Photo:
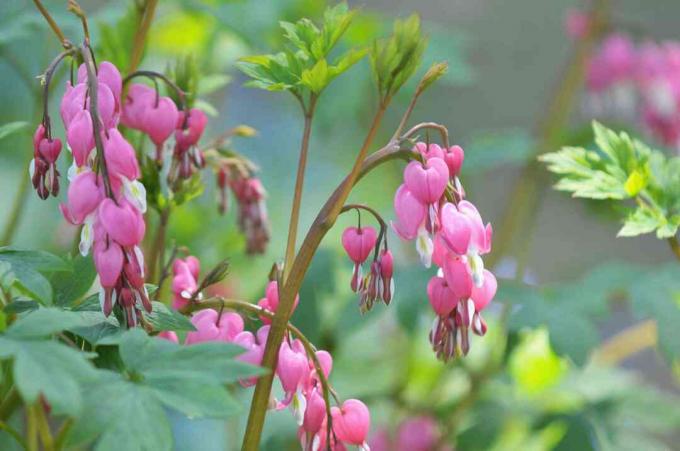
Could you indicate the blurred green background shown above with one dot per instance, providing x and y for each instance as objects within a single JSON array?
[{"x": 536, "y": 387}]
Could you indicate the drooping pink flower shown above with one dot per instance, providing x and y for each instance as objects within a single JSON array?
[
  {"x": 458, "y": 277},
  {"x": 123, "y": 222},
  {"x": 108, "y": 74},
  {"x": 410, "y": 212},
  {"x": 138, "y": 100},
  {"x": 84, "y": 196},
  {"x": 418, "y": 434},
  {"x": 108, "y": 260},
  {"x": 293, "y": 370},
  {"x": 211, "y": 326},
  {"x": 168, "y": 335},
  {"x": 80, "y": 136},
  {"x": 386, "y": 272},
  {"x": 483, "y": 295},
  {"x": 271, "y": 300},
  {"x": 159, "y": 119},
  {"x": 351, "y": 422},
  {"x": 442, "y": 299},
  {"x": 120, "y": 156},
  {"x": 315, "y": 413},
  {"x": 358, "y": 243},
  {"x": 427, "y": 181},
  {"x": 189, "y": 128}
]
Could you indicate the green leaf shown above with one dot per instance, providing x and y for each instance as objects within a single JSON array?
[
  {"x": 158, "y": 374},
  {"x": 12, "y": 127},
  {"x": 162, "y": 318},
  {"x": 69, "y": 289},
  {"x": 641, "y": 221},
  {"x": 316, "y": 78},
  {"x": 47, "y": 368},
  {"x": 39, "y": 260},
  {"x": 47, "y": 321},
  {"x": 27, "y": 267}
]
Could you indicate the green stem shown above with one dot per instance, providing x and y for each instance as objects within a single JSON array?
[
  {"x": 146, "y": 17},
  {"x": 60, "y": 439},
  {"x": 31, "y": 429},
  {"x": 9, "y": 404},
  {"x": 297, "y": 196},
  {"x": 14, "y": 433},
  {"x": 157, "y": 253},
  {"x": 43, "y": 426}
]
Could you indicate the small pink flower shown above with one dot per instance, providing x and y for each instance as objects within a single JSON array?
[
  {"x": 454, "y": 158},
  {"x": 442, "y": 299},
  {"x": 576, "y": 24},
  {"x": 84, "y": 196},
  {"x": 139, "y": 99},
  {"x": 49, "y": 149},
  {"x": 358, "y": 243},
  {"x": 418, "y": 434},
  {"x": 253, "y": 354},
  {"x": 351, "y": 422},
  {"x": 456, "y": 229},
  {"x": 429, "y": 151},
  {"x": 315, "y": 413},
  {"x": 458, "y": 277},
  {"x": 410, "y": 212},
  {"x": 123, "y": 222},
  {"x": 483, "y": 295},
  {"x": 427, "y": 181},
  {"x": 120, "y": 156},
  {"x": 386, "y": 272},
  {"x": 210, "y": 326},
  {"x": 80, "y": 136},
  {"x": 159, "y": 120},
  {"x": 189, "y": 128},
  {"x": 108, "y": 74},
  {"x": 109, "y": 263}
]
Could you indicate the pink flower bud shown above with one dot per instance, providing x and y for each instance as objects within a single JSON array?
[
  {"x": 108, "y": 260},
  {"x": 454, "y": 158},
  {"x": 80, "y": 137},
  {"x": 210, "y": 326},
  {"x": 386, "y": 272},
  {"x": 442, "y": 299},
  {"x": 38, "y": 136},
  {"x": 120, "y": 156},
  {"x": 292, "y": 368},
  {"x": 108, "y": 74},
  {"x": 123, "y": 222},
  {"x": 458, "y": 278},
  {"x": 483, "y": 295},
  {"x": 190, "y": 127},
  {"x": 315, "y": 413},
  {"x": 417, "y": 434},
  {"x": 84, "y": 196},
  {"x": 159, "y": 121},
  {"x": 431, "y": 151},
  {"x": 456, "y": 229},
  {"x": 139, "y": 99},
  {"x": 351, "y": 422},
  {"x": 427, "y": 181},
  {"x": 50, "y": 149},
  {"x": 271, "y": 300},
  {"x": 410, "y": 213},
  {"x": 359, "y": 242}
]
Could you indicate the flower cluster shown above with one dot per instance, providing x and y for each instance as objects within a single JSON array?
[
  {"x": 378, "y": 284},
  {"x": 252, "y": 210},
  {"x": 296, "y": 369},
  {"x": 157, "y": 116},
  {"x": 449, "y": 231},
  {"x": 639, "y": 82},
  {"x": 104, "y": 194},
  {"x": 185, "y": 281}
]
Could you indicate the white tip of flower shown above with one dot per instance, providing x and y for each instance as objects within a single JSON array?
[
  {"x": 135, "y": 192},
  {"x": 425, "y": 247},
  {"x": 31, "y": 168},
  {"x": 102, "y": 298},
  {"x": 470, "y": 312},
  {"x": 440, "y": 272},
  {"x": 298, "y": 406},
  {"x": 316, "y": 442},
  {"x": 73, "y": 171},
  {"x": 364, "y": 447},
  {"x": 185, "y": 294},
  {"x": 86, "y": 238},
  {"x": 477, "y": 267},
  {"x": 392, "y": 287}
]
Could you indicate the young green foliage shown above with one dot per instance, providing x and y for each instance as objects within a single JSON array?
[
  {"x": 395, "y": 59},
  {"x": 623, "y": 168},
  {"x": 303, "y": 67}
]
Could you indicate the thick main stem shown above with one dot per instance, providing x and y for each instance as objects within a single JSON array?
[
  {"x": 147, "y": 14},
  {"x": 297, "y": 196},
  {"x": 323, "y": 222}
]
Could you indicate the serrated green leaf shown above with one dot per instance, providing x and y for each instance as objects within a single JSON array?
[
  {"x": 70, "y": 288},
  {"x": 641, "y": 221},
  {"x": 47, "y": 368}
]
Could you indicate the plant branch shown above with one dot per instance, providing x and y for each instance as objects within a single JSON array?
[
  {"x": 92, "y": 85},
  {"x": 43, "y": 427},
  {"x": 297, "y": 196},
  {"x": 9, "y": 404},
  {"x": 156, "y": 256},
  {"x": 14, "y": 433},
  {"x": 153, "y": 76},
  {"x": 147, "y": 14},
  {"x": 53, "y": 25},
  {"x": 60, "y": 439}
]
